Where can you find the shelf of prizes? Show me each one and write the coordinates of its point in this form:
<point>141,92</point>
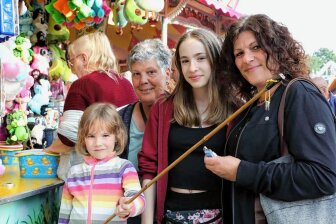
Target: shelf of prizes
<point>30,191</point>
<point>33,79</point>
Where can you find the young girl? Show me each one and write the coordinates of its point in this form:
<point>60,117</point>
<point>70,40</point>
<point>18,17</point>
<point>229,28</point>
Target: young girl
<point>94,189</point>
<point>177,122</point>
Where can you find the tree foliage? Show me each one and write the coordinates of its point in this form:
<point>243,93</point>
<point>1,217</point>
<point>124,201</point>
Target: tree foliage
<point>321,57</point>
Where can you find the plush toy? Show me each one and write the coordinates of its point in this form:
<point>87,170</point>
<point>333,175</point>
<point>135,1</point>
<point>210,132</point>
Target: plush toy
<point>22,49</point>
<point>37,139</point>
<point>134,15</point>
<point>63,7</point>
<point>25,23</point>
<point>57,32</point>
<point>151,6</point>
<point>78,13</point>
<point>2,168</point>
<point>52,118</point>
<point>40,26</point>
<point>41,97</point>
<point>101,10</point>
<point>59,67</point>
<point>28,5</point>
<point>118,16</point>
<point>24,96</point>
<point>40,60</point>
<point>17,127</point>
<point>54,13</point>
<point>56,87</point>
<point>22,99</point>
<point>15,74</point>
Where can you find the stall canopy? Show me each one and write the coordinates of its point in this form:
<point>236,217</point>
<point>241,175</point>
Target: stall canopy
<point>225,7</point>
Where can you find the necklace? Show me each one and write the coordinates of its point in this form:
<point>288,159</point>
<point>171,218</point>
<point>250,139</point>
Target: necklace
<point>143,114</point>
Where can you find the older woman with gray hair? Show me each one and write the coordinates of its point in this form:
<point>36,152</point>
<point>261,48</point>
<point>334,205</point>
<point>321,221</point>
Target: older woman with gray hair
<point>149,62</point>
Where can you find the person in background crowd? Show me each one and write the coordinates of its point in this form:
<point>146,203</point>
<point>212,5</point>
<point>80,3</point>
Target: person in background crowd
<point>177,121</point>
<point>101,185</point>
<point>91,58</point>
<point>174,72</point>
<point>149,62</point>
<point>323,86</point>
<point>332,85</point>
<point>256,49</point>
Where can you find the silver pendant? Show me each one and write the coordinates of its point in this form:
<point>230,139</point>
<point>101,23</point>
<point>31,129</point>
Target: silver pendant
<point>267,105</point>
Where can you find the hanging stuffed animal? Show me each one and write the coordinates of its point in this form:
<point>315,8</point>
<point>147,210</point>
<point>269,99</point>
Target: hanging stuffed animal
<point>118,16</point>
<point>25,22</point>
<point>151,6</point>
<point>57,32</point>
<point>135,15</point>
<point>40,26</point>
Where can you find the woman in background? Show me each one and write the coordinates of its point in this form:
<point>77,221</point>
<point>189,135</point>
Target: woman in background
<point>91,58</point>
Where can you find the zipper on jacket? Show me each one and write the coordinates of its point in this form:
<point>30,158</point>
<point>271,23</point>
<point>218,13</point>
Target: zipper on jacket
<point>235,155</point>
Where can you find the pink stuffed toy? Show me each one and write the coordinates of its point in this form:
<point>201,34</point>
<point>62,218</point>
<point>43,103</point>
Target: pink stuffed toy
<point>23,98</point>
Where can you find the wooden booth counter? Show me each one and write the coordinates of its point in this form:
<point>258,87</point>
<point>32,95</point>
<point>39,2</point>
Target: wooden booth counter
<point>28,200</point>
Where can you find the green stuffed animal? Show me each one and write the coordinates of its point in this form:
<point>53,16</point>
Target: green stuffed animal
<point>134,14</point>
<point>17,127</point>
<point>22,49</point>
<point>57,16</point>
<point>57,32</point>
<point>59,67</point>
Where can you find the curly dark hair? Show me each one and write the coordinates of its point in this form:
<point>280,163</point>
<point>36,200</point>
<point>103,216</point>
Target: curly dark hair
<point>275,39</point>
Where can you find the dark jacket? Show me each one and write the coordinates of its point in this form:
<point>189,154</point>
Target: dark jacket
<point>255,140</point>
<point>126,115</point>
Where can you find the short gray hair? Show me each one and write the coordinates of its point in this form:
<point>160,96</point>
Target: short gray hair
<point>151,49</point>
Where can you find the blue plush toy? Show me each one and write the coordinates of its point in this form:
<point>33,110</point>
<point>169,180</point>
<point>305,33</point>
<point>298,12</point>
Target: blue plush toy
<point>41,97</point>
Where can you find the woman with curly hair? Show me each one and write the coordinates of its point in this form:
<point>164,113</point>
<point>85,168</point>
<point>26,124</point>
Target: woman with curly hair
<point>257,49</point>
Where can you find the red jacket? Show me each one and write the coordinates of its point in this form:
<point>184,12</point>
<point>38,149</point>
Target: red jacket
<point>97,87</point>
<point>153,157</point>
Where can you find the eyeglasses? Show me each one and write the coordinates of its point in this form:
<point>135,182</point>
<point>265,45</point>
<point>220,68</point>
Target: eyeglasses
<point>71,60</point>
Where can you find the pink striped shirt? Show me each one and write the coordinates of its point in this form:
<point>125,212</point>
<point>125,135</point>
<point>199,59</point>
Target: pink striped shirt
<point>93,188</point>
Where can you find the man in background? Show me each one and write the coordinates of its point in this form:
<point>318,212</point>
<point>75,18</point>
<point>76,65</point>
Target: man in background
<point>323,86</point>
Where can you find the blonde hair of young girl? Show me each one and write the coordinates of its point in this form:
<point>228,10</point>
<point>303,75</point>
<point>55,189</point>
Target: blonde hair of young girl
<point>101,116</point>
<point>98,48</point>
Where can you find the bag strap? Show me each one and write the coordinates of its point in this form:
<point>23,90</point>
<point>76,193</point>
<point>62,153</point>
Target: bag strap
<point>281,113</point>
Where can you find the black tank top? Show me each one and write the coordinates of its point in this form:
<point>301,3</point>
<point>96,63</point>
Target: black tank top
<point>191,172</point>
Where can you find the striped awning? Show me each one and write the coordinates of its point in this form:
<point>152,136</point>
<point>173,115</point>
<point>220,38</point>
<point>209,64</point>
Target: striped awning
<point>225,7</point>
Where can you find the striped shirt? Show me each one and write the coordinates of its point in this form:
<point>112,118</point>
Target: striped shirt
<point>93,188</point>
